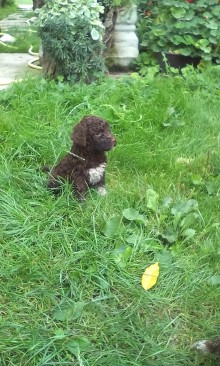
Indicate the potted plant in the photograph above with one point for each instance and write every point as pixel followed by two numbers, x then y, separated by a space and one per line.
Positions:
pixel 186 31
pixel 71 35
pixel 120 37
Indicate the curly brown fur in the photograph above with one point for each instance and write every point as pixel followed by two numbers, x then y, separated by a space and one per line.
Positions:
pixel 208 346
pixel 84 165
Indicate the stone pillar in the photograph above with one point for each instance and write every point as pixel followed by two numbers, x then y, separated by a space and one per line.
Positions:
pixel 124 49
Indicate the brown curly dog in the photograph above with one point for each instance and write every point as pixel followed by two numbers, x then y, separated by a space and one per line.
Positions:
pixel 84 166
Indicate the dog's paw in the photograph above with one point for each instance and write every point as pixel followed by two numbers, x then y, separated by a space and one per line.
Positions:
pixel 200 346
pixel 102 191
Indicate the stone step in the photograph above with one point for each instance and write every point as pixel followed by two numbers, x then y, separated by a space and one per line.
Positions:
pixel 4 24
pixel 14 20
pixel 25 7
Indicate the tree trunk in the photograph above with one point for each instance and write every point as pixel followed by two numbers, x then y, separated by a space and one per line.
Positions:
pixel 37 4
pixel 49 66
pixel 109 24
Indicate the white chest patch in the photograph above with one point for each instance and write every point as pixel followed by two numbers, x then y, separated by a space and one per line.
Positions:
pixel 96 174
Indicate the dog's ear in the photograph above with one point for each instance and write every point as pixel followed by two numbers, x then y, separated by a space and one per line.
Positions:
pixel 79 134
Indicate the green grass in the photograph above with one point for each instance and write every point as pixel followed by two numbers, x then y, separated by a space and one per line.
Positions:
pixel 7 10
pixel 63 283
pixel 10 9
pixel 24 38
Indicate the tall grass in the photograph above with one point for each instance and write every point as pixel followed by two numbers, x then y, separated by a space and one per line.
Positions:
pixel 65 297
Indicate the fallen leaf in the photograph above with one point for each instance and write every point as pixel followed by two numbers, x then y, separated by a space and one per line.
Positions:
pixel 150 276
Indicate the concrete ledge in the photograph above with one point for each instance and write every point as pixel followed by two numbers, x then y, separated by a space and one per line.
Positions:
pixel 14 66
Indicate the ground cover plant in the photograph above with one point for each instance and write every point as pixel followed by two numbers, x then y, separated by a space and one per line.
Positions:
pixel 71 272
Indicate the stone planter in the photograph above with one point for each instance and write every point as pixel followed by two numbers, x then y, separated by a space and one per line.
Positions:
pixel 176 60
pixel 124 49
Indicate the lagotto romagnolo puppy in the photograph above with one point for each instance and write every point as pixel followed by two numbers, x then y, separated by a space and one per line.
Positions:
pixel 208 346
pixel 84 166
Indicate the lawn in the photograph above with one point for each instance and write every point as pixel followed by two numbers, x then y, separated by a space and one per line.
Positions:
pixel 24 39
pixel 7 10
pixel 24 36
pixel 71 272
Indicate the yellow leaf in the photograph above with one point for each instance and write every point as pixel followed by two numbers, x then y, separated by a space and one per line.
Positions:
pixel 150 276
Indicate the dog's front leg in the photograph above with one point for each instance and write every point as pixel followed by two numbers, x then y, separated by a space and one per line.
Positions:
pixel 80 188
pixel 100 187
pixel 54 184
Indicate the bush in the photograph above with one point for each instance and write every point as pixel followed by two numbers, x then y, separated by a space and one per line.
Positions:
pixel 190 27
pixel 75 56
pixel 71 34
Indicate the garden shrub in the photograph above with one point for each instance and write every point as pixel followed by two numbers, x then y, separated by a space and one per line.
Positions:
pixel 189 28
pixel 71 35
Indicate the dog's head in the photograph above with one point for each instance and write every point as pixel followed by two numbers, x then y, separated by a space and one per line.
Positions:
pixel 93 133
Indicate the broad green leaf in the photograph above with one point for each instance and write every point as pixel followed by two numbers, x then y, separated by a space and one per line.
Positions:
pixel 152 198
pixel 176 220
pixel 188 232
pixel 176 39
pixel 164 258
pixel 121 255
pixel 184 207
pixel 60 333
pixel 112 226
pixel 212 24
pixel 166 203
pixel 133 215
pixel 69 312
pixel 189 15
pixel 94 34
pixel 197 179
pixel 204 45
pixel 190 206
pixel 189 220
pixel 178 12
pixel 78 345
pixel 213 186
pixel 170 235
pixel 185 51
pixel 150 276
pixel 133 239
pixel 214 280
pixel 87 13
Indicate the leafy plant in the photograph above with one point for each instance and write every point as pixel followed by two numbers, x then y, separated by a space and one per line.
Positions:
pixel 182 27
pixel 116 3
pixel 71 34
pixel 168 220
pixel 146 64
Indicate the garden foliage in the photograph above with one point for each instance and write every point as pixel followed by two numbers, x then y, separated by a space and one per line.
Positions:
pixel 71 34
pixel 184 27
